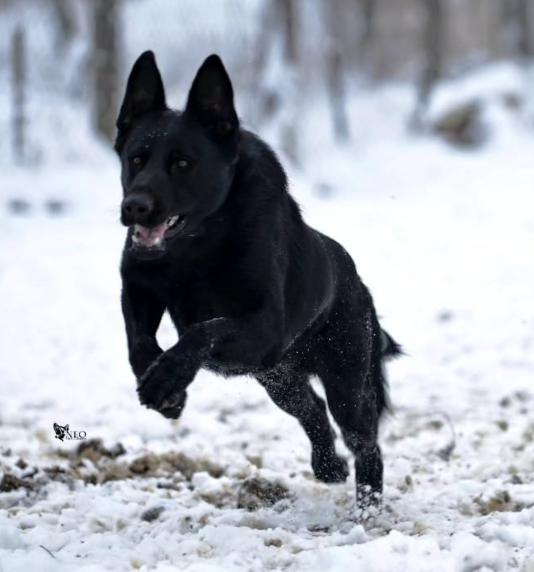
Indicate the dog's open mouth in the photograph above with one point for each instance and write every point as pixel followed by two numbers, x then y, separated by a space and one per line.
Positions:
pixel 155 237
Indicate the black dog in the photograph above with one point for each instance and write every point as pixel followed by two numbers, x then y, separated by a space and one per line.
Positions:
pixel 215 239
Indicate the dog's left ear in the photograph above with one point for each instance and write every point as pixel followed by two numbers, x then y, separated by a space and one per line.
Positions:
pixel 211 98
pixel 144 91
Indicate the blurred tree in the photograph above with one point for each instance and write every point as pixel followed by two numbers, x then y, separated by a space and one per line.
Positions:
pixel 105 65
pixel 19 77
pixel 524 13
pixel 433 48
pixel 264 99
pixel 516 26
pixel 368 18
pixel 334 15
pixel 67 24
pixel 288 21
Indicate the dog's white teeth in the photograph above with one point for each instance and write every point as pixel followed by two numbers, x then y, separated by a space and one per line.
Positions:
pixel 171 221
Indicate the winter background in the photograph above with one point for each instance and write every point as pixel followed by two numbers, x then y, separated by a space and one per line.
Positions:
pixel 407 128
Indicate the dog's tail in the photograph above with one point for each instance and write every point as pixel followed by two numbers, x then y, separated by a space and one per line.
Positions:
pixel 390 348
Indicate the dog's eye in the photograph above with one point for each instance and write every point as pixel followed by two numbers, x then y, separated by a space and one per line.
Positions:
pixel 180 164
pixel 136 161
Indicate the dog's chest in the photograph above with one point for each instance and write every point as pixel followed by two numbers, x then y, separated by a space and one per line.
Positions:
pixel 198 294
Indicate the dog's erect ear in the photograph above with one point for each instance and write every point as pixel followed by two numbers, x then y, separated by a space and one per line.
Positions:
pixel 144 91
pixel 211 98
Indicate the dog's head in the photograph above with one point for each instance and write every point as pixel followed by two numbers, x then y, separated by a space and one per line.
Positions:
pixel 177 167
pixel 60 431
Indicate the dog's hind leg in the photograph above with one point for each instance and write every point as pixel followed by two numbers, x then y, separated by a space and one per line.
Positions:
pixel 353 404
pixel 292 392
pixel 351 372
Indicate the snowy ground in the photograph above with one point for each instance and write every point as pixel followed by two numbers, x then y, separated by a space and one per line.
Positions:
pixel 445 241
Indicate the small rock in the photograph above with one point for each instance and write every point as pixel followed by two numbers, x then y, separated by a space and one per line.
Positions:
pixel 516 480
pixel 513 101
pixel 522 396
pixel 19 206
pixel 55 206
pixel 255 460
pixel 502 424
pixel 407 485
pixel 273 542
pixel 318 529
pixel 435 424
pixel 462 125
pixel 445 316
pixel 152 514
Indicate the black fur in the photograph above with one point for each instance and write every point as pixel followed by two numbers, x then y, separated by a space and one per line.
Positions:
pixel 249 286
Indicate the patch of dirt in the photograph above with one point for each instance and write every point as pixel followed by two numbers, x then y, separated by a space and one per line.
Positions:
pixel 165 463
pixel 93 463
pixel 94 450
pixel 501 501
pixel 257 493
pixel 11 483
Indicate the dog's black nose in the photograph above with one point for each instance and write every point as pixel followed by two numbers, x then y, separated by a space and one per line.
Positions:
pixel 137 207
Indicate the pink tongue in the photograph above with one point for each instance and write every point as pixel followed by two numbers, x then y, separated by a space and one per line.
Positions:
pixel 149 236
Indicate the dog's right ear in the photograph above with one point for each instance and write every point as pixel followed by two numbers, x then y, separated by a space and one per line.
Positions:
pixel 144 91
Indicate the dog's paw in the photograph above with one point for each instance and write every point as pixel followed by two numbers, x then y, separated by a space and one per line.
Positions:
pixel 330 468
pixel 173 409
pixel 162 386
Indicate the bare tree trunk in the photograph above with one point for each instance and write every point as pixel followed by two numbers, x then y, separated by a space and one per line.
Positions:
pixel 105 63
pixel 338 99
pixel 288 13
pixel 264 99
pixel 335 70
pixel 368 12
pixel 18 64
pixel 434 54
pixel 524 47
pixel 506 24
pixel 66 19
pixel 288 19
pixel 516 18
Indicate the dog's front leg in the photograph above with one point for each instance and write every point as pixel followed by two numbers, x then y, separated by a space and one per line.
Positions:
pixel 142 315
pixel 246 343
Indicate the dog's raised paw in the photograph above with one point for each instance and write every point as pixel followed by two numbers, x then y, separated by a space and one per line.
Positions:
pixel 162 386
pixel 172 408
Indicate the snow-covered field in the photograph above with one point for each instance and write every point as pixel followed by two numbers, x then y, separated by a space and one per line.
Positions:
pixel 444 239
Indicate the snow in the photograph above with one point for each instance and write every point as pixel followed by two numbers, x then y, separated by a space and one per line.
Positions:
pixel 444 240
